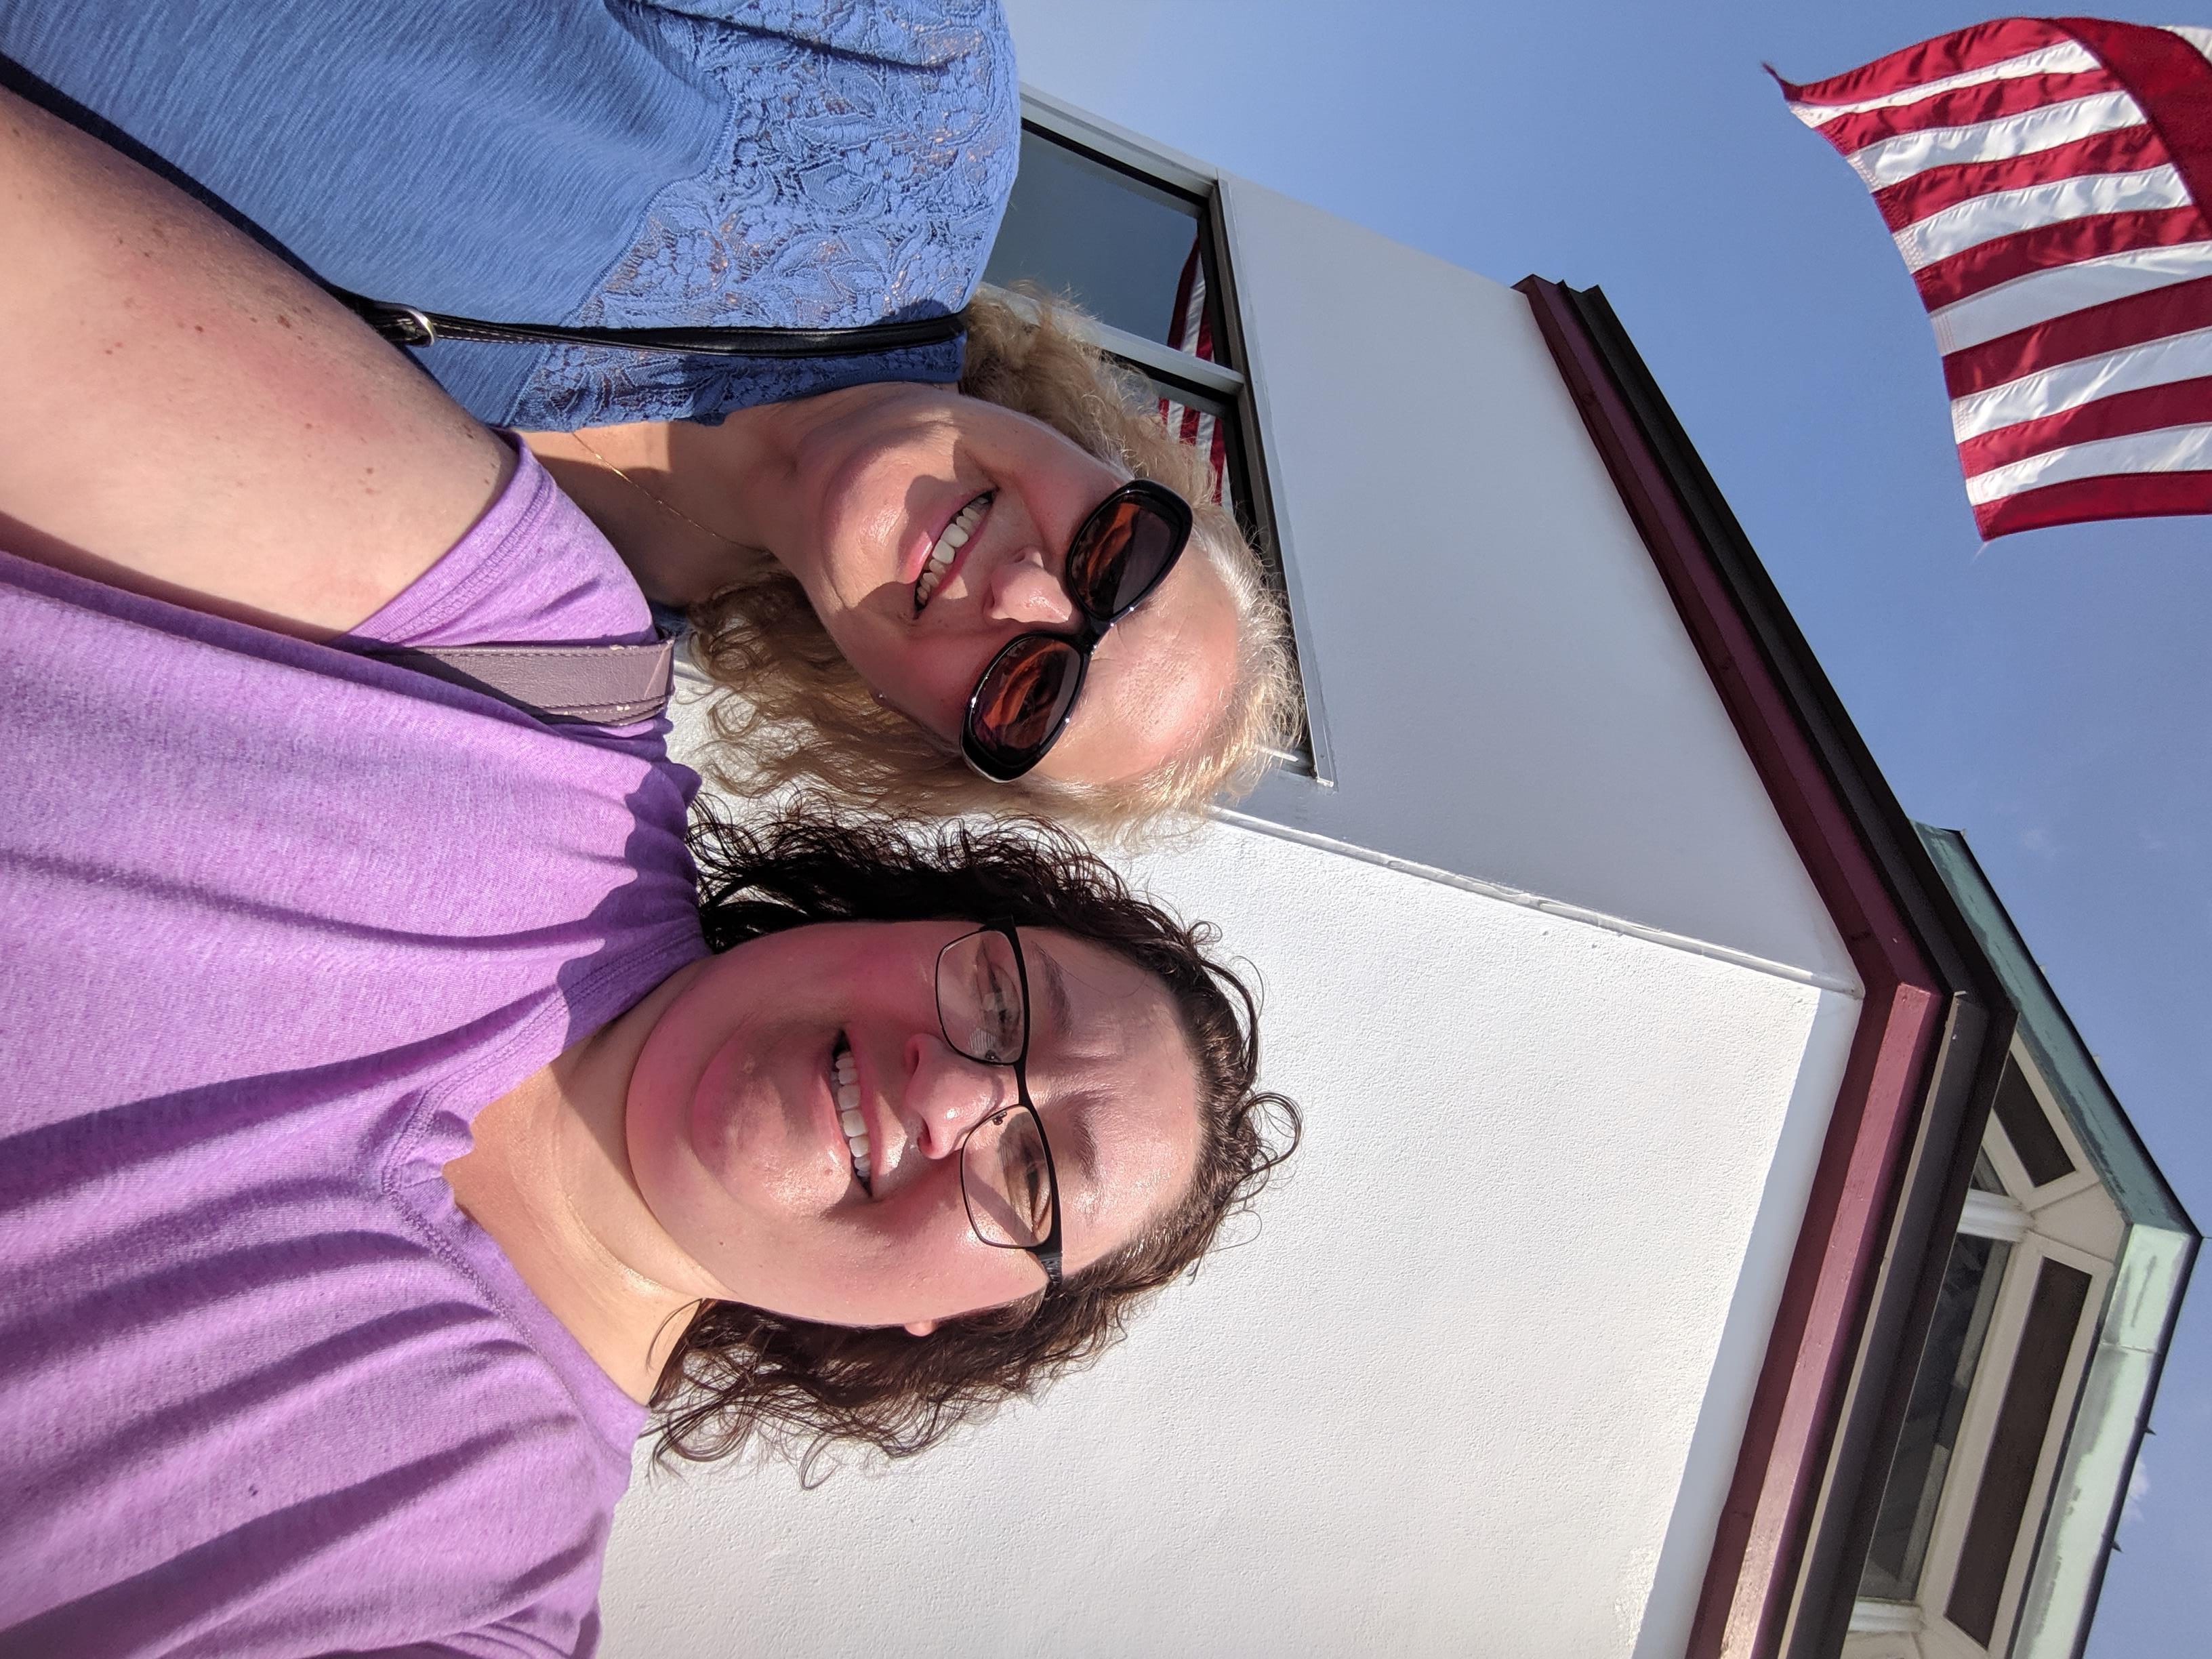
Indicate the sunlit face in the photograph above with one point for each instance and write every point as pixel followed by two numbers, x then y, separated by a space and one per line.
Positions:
pixel 888 478
pixel 734 1139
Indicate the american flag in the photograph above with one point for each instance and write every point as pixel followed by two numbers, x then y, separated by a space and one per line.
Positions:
pixel 1191 330
pixel 2047 182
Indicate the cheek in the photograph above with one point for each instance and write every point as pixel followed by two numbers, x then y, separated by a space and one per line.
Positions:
pixel 697 1165
pixel 668 1174
pixel 926 678
pixel 729 1198
pixel 947 669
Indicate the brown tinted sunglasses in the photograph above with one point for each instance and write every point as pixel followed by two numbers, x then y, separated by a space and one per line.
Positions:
pixel 1119 554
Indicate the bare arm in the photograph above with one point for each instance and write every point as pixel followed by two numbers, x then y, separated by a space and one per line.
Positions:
pixel 184 415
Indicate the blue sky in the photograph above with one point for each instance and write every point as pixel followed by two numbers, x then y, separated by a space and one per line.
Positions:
pixel 2050 695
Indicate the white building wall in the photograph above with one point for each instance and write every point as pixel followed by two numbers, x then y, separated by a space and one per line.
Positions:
pixel 1506 691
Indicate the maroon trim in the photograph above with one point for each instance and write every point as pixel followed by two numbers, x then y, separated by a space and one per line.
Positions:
pixel 1795 1406
pixel 2172 81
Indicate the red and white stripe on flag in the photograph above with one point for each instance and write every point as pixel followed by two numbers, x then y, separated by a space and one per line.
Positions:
pixel 2047 181
pixel 1192 331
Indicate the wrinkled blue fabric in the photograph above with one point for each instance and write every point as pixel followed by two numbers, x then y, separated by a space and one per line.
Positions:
pixel 701 163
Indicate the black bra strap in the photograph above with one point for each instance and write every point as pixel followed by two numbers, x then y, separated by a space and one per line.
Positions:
pixel 408 326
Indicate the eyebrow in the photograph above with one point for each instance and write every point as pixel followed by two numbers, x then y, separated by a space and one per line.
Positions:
pixel 1077 1122
pixel 1055 992
pixel 1076 1119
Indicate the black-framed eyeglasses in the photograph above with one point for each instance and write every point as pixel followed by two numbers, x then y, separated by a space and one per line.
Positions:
pixel 1007 1175
pixel 1119 554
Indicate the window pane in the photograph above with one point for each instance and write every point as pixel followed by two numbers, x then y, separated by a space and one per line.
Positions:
pixel 1198 418
pixel 1971 1279
pixel 2040 1151
pixel 2023 1422
pixel 1119 246
pixel 1210 424
pixel 1210 427
pixel 1985 1174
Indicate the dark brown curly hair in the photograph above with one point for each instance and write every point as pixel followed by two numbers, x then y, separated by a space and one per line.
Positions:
pixel 741 1375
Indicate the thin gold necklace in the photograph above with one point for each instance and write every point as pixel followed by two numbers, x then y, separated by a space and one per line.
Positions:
pixel 651 495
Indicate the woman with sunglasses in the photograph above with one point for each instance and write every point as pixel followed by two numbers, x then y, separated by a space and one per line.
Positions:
pixel 401 1109
pixel 857 543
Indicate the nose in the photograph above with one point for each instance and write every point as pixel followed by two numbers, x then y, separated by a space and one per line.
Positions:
pixel 947 1094
pixel 1022 590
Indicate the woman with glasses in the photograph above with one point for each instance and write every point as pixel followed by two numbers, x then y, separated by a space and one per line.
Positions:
pixel 878 563
pixel 404 1108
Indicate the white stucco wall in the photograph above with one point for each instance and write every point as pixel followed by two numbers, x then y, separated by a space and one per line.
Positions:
pixel 1444 1401
pixel 1506 688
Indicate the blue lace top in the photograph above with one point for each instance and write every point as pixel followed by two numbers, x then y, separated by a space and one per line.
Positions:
pixel 694 163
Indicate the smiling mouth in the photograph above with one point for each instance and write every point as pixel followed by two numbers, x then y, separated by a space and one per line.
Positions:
pixel 845 1086
pixel 946 554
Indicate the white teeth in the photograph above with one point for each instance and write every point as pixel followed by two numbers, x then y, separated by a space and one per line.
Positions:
pixel 954 539
pixel 845 1077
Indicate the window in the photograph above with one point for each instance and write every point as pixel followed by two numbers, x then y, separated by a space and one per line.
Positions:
pixel 1134 237
pixel 2027 1126
pixel 1932 1421
pixel 1985 1421
pixel 1119 245
pixel 2031 1398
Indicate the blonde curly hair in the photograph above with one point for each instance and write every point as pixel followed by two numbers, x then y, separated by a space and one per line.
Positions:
pixel 804 716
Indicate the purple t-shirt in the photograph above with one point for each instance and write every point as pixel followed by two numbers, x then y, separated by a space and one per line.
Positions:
pixel 277 922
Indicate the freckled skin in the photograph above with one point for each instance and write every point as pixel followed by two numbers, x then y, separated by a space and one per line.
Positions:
pixel 230 413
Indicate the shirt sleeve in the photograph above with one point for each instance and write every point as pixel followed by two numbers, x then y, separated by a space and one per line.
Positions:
pixel 532 569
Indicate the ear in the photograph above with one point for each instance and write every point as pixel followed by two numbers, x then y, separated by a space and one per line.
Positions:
pixel 921 1327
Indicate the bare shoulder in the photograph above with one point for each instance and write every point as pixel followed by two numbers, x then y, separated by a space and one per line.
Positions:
pixel 192 417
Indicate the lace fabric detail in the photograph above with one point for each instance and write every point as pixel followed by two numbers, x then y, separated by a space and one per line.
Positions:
pixel 868 156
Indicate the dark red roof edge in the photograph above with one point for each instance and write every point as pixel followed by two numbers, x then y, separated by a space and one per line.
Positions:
pixel 1923 1064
